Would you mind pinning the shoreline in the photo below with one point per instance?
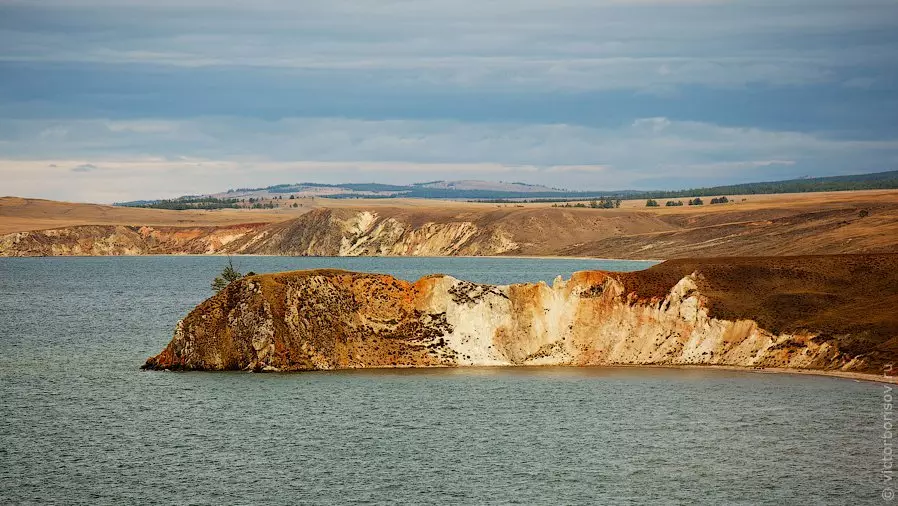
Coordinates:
(250, 255)
(846, 375)
(858, 376)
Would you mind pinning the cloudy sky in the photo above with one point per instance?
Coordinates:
(108, 100)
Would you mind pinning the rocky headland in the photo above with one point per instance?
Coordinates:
(821, 313)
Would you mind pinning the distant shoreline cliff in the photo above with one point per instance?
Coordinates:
(843, 226)
(827, 313)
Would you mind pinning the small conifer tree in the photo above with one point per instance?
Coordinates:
(228, 274)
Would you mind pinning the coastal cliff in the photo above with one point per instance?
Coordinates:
(322, 232)
(823, 313)
(121, 240)
(486, 230)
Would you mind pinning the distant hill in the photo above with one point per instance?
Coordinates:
(505, 191)
(468, 189)
(476, 185)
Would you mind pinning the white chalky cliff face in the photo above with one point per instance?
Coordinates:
(589, 320)
(334, 319)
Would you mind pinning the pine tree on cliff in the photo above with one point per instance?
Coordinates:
(228, 274)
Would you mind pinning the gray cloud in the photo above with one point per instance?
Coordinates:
(575, 45)
(186, 156)
(167, 95)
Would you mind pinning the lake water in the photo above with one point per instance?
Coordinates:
(80, 424)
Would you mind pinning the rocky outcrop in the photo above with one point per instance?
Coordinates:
(328, 232)
(484, 230)
(103, 240)
(322, 232)
(677, 313)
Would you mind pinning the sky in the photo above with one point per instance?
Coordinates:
(114, 100)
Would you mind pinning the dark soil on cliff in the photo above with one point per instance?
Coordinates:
(852, 299)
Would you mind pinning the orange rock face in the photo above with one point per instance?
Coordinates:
(676, 313)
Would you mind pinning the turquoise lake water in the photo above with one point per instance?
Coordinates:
(81, 424)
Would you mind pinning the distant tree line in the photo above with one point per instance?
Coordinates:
(676, 203)
(185, 203)
(874, 181)
(602, 203)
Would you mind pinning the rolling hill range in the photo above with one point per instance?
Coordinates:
(753, 225)
(491, 191)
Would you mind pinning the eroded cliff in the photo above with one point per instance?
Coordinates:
(711, 312)
(484, 230)
(322, 232)
(106, 240)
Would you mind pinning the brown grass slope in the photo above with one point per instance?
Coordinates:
(849, 298)
(832, 223)
(23, 215)
(865, 224)
(792, 231)
(533, 230)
